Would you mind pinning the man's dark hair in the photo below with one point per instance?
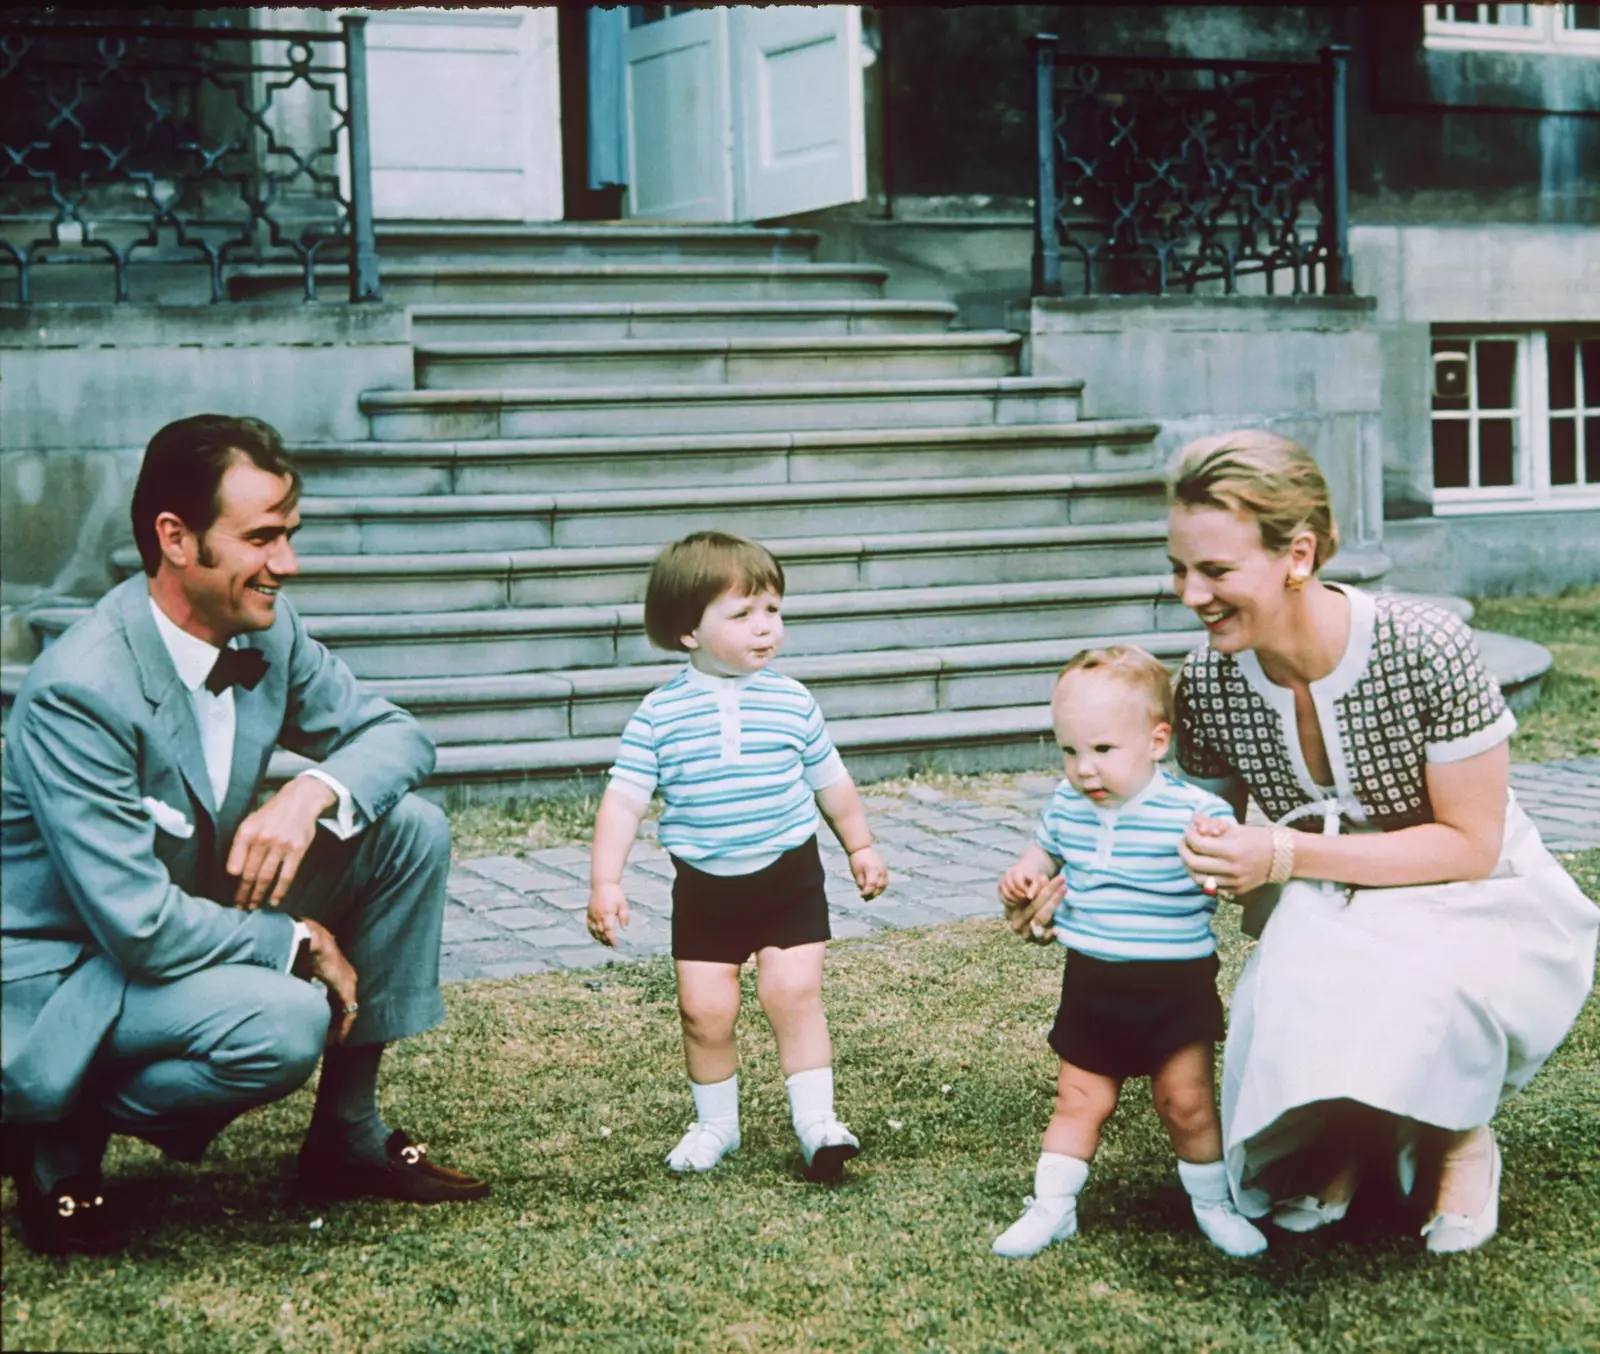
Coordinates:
(183, 469)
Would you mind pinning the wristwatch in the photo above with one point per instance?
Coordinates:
(300, 954)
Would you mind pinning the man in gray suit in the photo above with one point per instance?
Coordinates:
(156, 932)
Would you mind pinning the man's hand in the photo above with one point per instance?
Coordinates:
(272, 841)
(869, 871)
(332, 969)
(608, 912)
(1030, 891)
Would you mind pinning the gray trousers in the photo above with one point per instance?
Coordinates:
(187, 1057)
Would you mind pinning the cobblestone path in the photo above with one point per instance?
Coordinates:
(945, 849)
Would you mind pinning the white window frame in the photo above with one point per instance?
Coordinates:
(1548, 31)
(1532, 491)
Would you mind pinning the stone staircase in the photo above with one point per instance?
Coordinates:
(952, 531)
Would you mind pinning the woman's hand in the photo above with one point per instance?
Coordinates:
(1226, 857)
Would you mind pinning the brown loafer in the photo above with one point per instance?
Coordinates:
(407, 1175)
(70, 1219)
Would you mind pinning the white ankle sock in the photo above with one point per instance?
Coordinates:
(1206, 1183)
(1059, 1176)
(810, 1096)
(717, 1102)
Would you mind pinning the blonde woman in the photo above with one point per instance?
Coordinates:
(1426, 953)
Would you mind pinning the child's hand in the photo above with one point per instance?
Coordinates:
(1205, 826)
(608, 912)
(1019, 885)
(870, 873)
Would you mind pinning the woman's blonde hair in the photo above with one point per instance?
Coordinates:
(689, 575)
(1269, 478)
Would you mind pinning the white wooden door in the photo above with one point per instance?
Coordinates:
(680, 133)
(465, 112)
(801, 132)
(742, 113)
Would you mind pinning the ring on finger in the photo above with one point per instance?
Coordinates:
(1209, 884)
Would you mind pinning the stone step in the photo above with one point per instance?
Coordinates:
(550, 639)
(597, 702)
(444, 524)
(492, 322)
(601, 411)
(715, 361)
(407, 282)
(1006, 738)
(721, 459)
(614, 574)
(570, 241)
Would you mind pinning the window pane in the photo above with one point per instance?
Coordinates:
(1497, 371)
(1497, 457)
(1586, 17)
(1509, 16)
(1450, 453)
(1591, 450)
(1450, 366)
(1563, 353)
(1590, 353)
(1563, 451)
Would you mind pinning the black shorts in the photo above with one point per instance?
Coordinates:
(724, 919)
(1126, 1019)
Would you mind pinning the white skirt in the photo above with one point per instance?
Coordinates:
(1435, 1002)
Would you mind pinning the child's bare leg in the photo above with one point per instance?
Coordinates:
(1185, 1097)
(1184, 1091)
(789, 984)
(1084, 1101)
(708, 1009)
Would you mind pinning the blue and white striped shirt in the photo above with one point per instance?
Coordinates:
(738, 761)
(1128, 894)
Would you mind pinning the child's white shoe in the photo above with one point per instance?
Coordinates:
(1043, 1222)
(703, 1146)
(1225, 1227)
(827, 1145)
(1307, 1213)
(1229, 1230)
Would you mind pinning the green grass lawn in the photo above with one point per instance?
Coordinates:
(567, 1090)
(1566, 721)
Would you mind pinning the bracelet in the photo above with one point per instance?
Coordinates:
(1282, 856)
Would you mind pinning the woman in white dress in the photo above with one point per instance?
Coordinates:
(1426, 953)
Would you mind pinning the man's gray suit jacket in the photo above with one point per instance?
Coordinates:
(101, 744)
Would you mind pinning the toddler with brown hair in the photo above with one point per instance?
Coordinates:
(742, 759)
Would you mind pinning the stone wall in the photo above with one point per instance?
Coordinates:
(83, 387)
(1308, 367)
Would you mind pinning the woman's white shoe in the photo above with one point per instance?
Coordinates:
(1446, 1233)
(1307, 1213)
(1043, 1221)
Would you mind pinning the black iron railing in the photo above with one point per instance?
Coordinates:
(1158, 176)
(167, 147)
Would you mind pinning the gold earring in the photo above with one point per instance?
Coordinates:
(1295, 582)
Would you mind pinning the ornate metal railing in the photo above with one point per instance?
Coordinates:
(1187, 175)
(165, 147)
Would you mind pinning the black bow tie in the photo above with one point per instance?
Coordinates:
(244, 667)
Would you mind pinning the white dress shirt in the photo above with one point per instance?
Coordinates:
(214, 714)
